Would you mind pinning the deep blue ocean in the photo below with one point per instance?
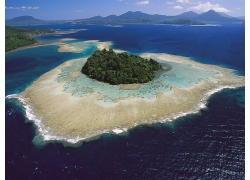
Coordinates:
(208, 145)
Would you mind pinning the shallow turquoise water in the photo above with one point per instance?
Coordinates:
(210, 145)
(174, 74)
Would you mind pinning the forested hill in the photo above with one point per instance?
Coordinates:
(187, 18)
(18, 37)
(123, 68)
(21, 20)
(138, 17)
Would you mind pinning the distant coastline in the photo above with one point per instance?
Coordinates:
(20, 37)
(36, 44)
(137, 17)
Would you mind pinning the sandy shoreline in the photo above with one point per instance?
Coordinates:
(63, 47)
(84, 118)
(46, 44)
(27, 47)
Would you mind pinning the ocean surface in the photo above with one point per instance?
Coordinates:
(208, 145)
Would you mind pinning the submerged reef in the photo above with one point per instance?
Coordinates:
(68, 106)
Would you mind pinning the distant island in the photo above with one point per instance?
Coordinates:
(137, 17)
(24, 20)
(19, 37)
(122, 68)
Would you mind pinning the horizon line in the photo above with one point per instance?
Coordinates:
(127, 12)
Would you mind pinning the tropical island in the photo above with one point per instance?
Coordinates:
(19, 37)
(82, 109)
(121, 68)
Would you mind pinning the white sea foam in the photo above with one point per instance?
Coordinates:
(47, 135)
(119, 131)
(114, 25)
(203, 102)
(30, 114)
(208, 25)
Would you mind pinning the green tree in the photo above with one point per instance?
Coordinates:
(107, 66)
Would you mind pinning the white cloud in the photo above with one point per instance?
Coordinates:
(238, 9)
(78, 10)
(187, 2)
(182, 1)
(22, 8)
(170, 2)
(12, 7)
(142, 3)
(198, 2)
(177, 7)
(208, 6)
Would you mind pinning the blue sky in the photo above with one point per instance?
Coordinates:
(78, 9)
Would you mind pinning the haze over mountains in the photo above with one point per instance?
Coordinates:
(24, 20)
(190, 18)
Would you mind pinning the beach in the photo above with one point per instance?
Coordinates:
(62, 46)
(79, 47)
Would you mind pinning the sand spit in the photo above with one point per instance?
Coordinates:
(101, 45)
(72, 119)
(79, 47)
(57, 33)
(63, 47)
(32, 46)
(71, 31)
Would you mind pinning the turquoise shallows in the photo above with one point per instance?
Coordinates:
(174, 74)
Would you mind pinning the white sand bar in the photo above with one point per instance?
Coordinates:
(72, 119)
(79, 47)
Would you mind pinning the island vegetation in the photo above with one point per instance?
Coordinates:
(183, 22)
(19, 37)
(120, 68)
(141, 21)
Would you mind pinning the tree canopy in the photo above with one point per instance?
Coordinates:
(122, 68)
(18, 37)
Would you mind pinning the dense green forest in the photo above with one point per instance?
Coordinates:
(122, 68)
(18, 37)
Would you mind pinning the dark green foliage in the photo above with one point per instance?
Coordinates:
(18, 37)
(13, 41)
(107, 66)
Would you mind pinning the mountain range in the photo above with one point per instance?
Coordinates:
(190, 18)
(24, 20)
